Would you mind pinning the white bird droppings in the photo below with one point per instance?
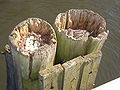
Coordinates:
(31, 43)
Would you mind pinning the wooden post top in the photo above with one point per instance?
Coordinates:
(32, 34)
(81, 19)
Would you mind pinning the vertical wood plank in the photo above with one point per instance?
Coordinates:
(13, 79)
(92, 75)
(96, 43)
(51, 78)
(85, 76)
(72, 72)
(10, 71)
(90, 70)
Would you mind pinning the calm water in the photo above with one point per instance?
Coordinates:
(14, 11)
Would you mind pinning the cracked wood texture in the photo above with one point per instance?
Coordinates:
(92, 62)
(51, 78)
(12, 77)
(33, 47)
(80, 37)
(76, 74)
(79, 32)
(72, 73)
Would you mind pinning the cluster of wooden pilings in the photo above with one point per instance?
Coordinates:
(67, 58)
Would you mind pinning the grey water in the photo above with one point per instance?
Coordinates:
(14, 11)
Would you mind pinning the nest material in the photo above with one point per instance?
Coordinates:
(31, 34)
(77, 19)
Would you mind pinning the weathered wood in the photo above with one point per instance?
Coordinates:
(72, 73)
(90, 70)
(51, 78)
(96, 43)
(33, 47)
(30, 85)
(77, 30)
(69, 48)
(81, 19)
(11, 84)
(80, 33)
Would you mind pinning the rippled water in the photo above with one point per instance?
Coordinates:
(14, 11)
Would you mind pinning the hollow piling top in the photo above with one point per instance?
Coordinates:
(32, 34)
(77, 22)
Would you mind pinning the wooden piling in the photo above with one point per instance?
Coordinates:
(33, 47)
(79, 32)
